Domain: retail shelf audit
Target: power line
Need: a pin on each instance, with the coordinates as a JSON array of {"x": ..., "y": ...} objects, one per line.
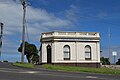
[{"x": 27, "y": 32}]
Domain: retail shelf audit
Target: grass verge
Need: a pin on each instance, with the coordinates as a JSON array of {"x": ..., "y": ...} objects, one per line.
[
  {"x": 82, "y": 69},
  {"x": 26, "y": 65}
]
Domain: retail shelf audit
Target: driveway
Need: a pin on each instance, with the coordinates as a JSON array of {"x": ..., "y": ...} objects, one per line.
[{"x": 9, "y": 72}]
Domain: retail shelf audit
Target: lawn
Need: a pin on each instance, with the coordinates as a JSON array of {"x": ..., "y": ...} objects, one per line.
[
  {"x": 71, "y": 68},
  {"x": 82, "y": 69},
  {"x": 26, "y": 65}
]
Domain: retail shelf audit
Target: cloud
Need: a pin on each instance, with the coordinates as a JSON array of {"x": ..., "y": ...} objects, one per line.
[
  {"x": 11, "y": 16},
  {"x": 42, "y": 18},
  {"x": 102, "y": 14},
  {"x": 56, "y": 23},
  {"x": 72, "y": 13},
  {"x": 38, "y": 21},
  {"x": 38, "y": 14}
]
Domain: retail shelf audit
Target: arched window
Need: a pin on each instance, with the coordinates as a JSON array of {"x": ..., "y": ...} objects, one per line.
[
  {"x": 87, "y": 52},
  {"x": 66, "y": 51}
]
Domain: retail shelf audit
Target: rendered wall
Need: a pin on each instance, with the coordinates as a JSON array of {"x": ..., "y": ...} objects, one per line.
[{"x": 77, "y": 52}]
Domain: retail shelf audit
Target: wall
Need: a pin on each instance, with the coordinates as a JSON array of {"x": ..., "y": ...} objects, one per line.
[{"x": 77, "y": 52}]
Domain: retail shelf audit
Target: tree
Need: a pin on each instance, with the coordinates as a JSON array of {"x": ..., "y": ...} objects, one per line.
[
  {"x": 118, "y": 62},
  {"x": 31, "y": 52},
  {"x": 105, "y": 61},
  {"x": 35, "y": 59}
]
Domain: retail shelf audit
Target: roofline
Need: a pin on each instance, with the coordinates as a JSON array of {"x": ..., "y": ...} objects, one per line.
[{"x": 68, "y": 32}]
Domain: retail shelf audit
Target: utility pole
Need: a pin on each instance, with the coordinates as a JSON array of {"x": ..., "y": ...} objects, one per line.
[
  {"x": 23, "y": 32},
  {"x": 1, "y": 33},
  {"x": 109, "y": 35}
]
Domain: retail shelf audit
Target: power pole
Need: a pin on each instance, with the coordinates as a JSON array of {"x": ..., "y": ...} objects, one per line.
[
  {"x": 23, "y": 32},
  {"x": 109, "y": 35},
  {"x": 1, "y": 33}
]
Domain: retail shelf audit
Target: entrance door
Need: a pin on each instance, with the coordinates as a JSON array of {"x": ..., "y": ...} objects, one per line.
[{"x": 49, "y": 54}]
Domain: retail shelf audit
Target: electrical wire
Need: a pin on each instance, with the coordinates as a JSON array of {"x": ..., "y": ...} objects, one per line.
[{"x": 27, "y": 31}]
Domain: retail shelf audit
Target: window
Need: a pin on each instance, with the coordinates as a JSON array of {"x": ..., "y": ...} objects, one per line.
[
  {"x": 87, "y": 52},
  {"x": 66, "y": 51}
]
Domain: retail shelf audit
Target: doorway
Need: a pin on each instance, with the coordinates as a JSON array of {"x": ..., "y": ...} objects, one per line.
[{"x": 49, "y": 54}]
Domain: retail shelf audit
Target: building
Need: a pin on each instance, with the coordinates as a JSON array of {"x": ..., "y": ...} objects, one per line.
[{"x": 71, "y": 48}]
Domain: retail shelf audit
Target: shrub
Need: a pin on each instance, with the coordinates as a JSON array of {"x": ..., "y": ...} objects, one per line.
[{"x": 5, "y": 61}]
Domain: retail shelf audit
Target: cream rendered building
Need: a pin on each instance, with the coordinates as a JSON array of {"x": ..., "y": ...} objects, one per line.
[{"x": 71, "y": 48}]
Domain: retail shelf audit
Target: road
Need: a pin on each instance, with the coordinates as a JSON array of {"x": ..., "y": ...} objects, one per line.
[{"x": 9, "y": 72}]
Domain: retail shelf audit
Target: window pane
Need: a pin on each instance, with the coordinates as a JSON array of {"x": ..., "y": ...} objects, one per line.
[
  {"x": 87, "y": 49},
  {"x": 87, "y": 52},
  {"x": 87, "y": 55},
  {"x": 66, "y": 48},
  {"x": 66, "y": 55},
  {"x": 66, "y": 51}
]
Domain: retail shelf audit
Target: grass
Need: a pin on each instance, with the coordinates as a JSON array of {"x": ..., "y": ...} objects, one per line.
[
  {"x": 26, "y": 65},
  {"x": 82, "y": 69}
]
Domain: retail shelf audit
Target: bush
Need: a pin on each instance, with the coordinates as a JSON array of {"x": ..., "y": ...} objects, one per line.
[
  {"x": 105, "y": 61},
  {"x": 118, "y": 62},
  {"x": 35, "y": 59},
  {"x": 5, "y": 61}
]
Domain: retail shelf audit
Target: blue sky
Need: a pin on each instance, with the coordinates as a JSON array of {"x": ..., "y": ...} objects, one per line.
[{"x": 59, "y": 15}]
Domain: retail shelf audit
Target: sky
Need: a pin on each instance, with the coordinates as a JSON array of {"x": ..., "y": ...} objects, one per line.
[{"x": 59, "y": 15}]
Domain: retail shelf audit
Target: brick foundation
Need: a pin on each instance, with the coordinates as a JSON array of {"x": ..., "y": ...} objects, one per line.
[{"x": 95, "y": 65}]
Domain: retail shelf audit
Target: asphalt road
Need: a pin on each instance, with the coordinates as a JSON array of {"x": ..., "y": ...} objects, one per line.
[{"x": 9, "y": 72}]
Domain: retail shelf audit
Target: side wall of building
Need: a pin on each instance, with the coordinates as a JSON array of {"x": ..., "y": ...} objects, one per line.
[{"x": 77, "y": 53}]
